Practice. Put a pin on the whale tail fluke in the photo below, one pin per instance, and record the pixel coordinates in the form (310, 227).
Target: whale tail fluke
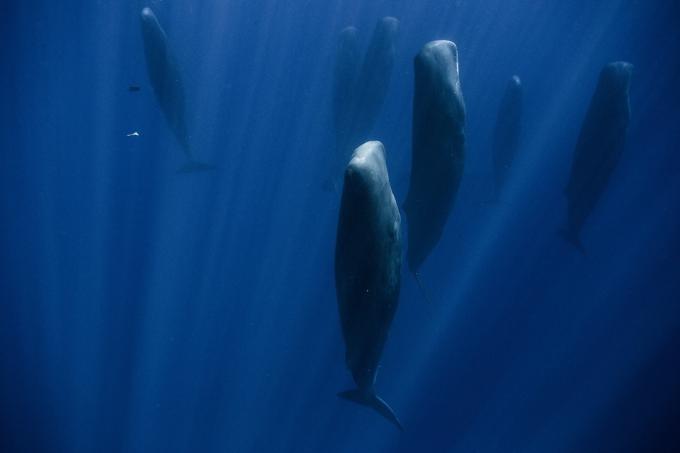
(194, 166)
(373, 401)
(573, 239)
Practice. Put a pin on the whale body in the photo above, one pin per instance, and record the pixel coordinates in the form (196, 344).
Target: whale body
(374, 78)
(367, 270)
(507, 132)
(346, 70)
(360, 87)
(166, 80)
(599, 147)
(438, 148)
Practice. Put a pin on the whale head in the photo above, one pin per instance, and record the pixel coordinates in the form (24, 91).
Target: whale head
(617, 75)
(150, 22)
(147, 15)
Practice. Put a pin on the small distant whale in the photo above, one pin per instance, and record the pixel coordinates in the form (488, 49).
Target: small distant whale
(438, 148)
(374, 77)
(360, 87)
(167, 84)
(367, 270)
(133, 88)
(507, 132)
(599, 147)
(346, 70)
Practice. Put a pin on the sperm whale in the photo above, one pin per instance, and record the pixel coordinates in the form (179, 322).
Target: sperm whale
(166, 80)
(367, 270)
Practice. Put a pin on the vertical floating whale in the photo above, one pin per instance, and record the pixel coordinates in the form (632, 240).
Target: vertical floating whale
(599, 146)
(438, 148)
(346, 71)
(166, 81)
(507, 132)
(360, 86)
(374, 77)
(367, 270)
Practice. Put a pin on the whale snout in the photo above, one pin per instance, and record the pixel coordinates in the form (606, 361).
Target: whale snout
(618, 74)
(147, 15)
(391, 23)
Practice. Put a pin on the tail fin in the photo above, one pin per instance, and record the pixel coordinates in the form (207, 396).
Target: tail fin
(416, 276)
(572, 238)
(372, 400)
(193, 166)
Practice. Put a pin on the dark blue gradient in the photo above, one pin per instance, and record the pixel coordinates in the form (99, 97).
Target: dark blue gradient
(143, 310)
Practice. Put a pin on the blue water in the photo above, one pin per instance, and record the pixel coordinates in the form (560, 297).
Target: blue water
(146, 311)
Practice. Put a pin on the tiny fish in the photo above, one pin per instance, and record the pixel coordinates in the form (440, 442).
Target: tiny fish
(134, 88)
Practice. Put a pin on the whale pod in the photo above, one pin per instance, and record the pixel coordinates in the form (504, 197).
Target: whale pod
(360, 87)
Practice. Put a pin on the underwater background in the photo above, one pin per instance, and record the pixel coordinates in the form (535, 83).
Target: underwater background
(143, 310)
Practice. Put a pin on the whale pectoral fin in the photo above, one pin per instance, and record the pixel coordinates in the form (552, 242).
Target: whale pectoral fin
(373, 401)
(193, 166)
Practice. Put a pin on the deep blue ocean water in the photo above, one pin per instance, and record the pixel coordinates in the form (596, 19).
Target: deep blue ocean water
(143, 310)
